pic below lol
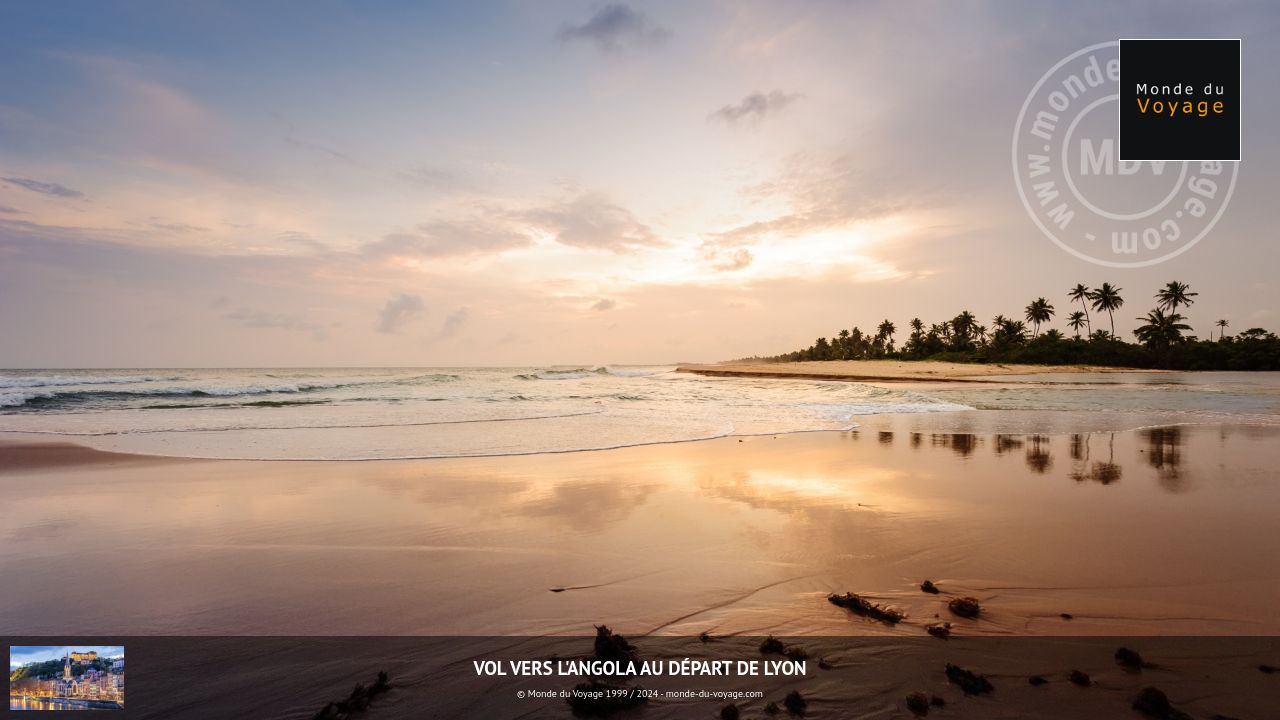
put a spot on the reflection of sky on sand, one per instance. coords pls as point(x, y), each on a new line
point(1165, 529)
point(780, 490)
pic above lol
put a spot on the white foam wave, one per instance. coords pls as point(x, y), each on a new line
point(18, 399)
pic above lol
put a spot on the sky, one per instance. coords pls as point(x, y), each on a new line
point(214, 184)
point(20, 655)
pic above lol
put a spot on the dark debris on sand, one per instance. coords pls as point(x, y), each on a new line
point(612, 646)
point(1268, 669)
point(772, 646)
point(357, 702)
point(729, 712)
point(1155, 704)
point(795, 703)
point(965, 607)
point(600, 699)
point(859, 605)
point(929, 587)
point(1130, 659)
point(1037, 680)
point(971, 683)
point(939, 630)
point(919, 703)
point(1079, 678)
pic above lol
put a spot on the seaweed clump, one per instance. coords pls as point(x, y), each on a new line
point(795, 703)
point(729, 712)
point(772, 646)
point(357, 702)
point(861, 606)
point(919, 703)
point(1130, 659)
point(970, 682)
point(929, 587)
point(939, 630)
point(600, 699)
point(612, 646)
point(1080, 678)
point(965, 607)
point(1152, 702)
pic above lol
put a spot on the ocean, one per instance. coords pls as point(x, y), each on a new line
point(375, 413)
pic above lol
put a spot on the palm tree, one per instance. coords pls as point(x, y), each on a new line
point(1107, 298)
point(1008, 332)
point(885, 332)
point(1077, 320)
point(963, 326)
point(1222, 329)
point(1080, 294)
point(1174, 294)
point(1039, 311)
point(1160, 330)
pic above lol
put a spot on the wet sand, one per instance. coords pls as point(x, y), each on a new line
point(889, 370)
point(1154, 531)
point(1137, 528)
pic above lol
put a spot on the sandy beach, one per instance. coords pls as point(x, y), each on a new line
point(890, 370)
point(1132, 529)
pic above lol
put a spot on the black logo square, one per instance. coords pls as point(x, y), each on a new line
point(1179, 99)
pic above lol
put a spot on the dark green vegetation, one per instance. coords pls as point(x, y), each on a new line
point(53, 668)
point(1163, 339)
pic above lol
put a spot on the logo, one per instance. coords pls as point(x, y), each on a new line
point(1070, 178)
point(1180, 99)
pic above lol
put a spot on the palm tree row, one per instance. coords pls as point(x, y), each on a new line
point(1162, 328)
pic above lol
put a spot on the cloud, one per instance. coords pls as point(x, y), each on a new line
point(176, 227)
point(302, 241)
point(256, 318)
point(446, 238)
point(727, 260)
point(614, 27)
point(45, 188)
point(827, 194)
point(755, 107)
point(323, 149)
point(10, 210)
point(604, 304)
point(455, 322)
point(593, 222)
point(401, 308)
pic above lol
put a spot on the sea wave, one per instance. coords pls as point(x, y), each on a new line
point(586, 372)
point(65, 380)
point(48, 397)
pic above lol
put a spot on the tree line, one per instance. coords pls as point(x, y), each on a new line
point(1164, 338)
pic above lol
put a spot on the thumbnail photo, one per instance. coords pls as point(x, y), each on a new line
point(66, 677)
